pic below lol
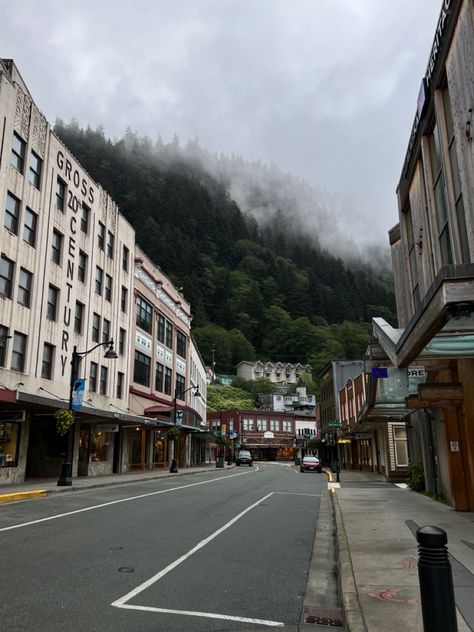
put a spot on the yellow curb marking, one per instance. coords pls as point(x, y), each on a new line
point(37, 493)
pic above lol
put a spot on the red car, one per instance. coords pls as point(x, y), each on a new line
point(311, 464)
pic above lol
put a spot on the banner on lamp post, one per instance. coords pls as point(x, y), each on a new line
point(77, 393)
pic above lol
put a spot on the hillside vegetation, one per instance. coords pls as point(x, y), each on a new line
point(257, 289)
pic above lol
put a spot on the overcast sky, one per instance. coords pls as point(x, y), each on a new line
point(324, 89)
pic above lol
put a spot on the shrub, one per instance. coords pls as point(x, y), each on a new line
point(416, 482)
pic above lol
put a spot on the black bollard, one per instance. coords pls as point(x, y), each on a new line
point(436, 581)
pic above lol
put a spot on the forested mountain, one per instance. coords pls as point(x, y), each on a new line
point(258, 288)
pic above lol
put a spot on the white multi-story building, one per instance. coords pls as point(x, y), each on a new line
point(277, 372)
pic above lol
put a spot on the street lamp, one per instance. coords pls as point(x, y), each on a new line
point(174, 463)
point(65, 479)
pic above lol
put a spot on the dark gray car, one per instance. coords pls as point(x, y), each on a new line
point(244, 458)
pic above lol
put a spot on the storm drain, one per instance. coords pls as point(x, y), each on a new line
point(323, 616)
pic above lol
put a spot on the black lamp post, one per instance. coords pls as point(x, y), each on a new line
point(174, 461)
point(65, 479)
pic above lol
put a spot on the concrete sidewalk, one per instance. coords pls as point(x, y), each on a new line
point(378, 553)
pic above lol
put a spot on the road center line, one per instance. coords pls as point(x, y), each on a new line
point(133, 593)
point(116, 502)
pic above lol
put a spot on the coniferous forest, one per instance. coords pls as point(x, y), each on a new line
point(258, 288)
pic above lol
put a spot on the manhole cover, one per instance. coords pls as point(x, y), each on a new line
point(323, 616)
point(126, 569)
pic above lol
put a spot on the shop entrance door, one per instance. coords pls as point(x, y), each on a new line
point(84, 451)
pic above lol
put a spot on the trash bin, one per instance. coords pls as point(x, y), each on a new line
point(297, 461)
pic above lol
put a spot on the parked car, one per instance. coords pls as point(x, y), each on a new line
point(244, 458)
point(311, 464)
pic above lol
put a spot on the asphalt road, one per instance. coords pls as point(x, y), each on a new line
point(203, 553)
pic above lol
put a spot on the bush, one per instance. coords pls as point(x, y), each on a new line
point(416, 482)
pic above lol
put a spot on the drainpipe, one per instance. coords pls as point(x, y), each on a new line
point(429, 420)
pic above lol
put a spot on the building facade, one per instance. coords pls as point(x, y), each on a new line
point(65, 285)
point(88, 324)
point(166, 370)
point(432, 254)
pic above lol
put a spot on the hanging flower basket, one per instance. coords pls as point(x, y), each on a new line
point(173, 433)
point(64, 419)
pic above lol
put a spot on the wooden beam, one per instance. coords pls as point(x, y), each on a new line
point(413, 403)
point(441, 390)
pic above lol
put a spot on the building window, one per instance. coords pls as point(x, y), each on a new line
point(3, 344)
point(108, 288)
point(161, 328)
point(85, 216)
point(400, 445)
point(248, 424)
point(275, 425)
point(144, 314)
point(95, 327)
point(181, 344)
point(103, 380)
point(60, 194)
point(9, 443)
point(122, 341)
point(120, 385)
point(180, 386)
point(105, 330)
point(101, 236)
point(125, 258)
point(167, 387)
point(24, 287)
point(82, 267)
point(29, 229)
point(18, 352)
point(457, 192)
point(7, 268)
point(17, 158)
point(412, 258)
point(159, 375)
point(110, 244)
point(78, 317)
point(56, 247)
point(48, 360)
point(169, 335)
point(100, 444)
point(93, 377)
point(141, 371)
point(12, 213)
point(261, 425)
point(124, 299)
point(36, 165)
point(52, 304)
point(99, 279)
point(440, 196)
point(286, 426)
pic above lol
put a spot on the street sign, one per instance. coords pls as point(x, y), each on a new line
point(335, 424)
point(379, 372)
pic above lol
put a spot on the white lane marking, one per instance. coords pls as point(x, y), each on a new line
point(296, 494)
point(206, 615)
point(402, 485)
point(333, 485)
point(180, 560)
point(116, 502)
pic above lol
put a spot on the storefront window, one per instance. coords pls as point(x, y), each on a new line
point(9, 444)
point(99, 446)
point(158, 447)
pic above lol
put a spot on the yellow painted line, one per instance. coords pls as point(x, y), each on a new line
point(37, 493)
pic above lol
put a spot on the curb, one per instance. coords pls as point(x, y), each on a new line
point(354, 619)
point(37, 493)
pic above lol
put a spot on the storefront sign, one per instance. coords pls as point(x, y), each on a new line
point(77, 393)
point(107, 428)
